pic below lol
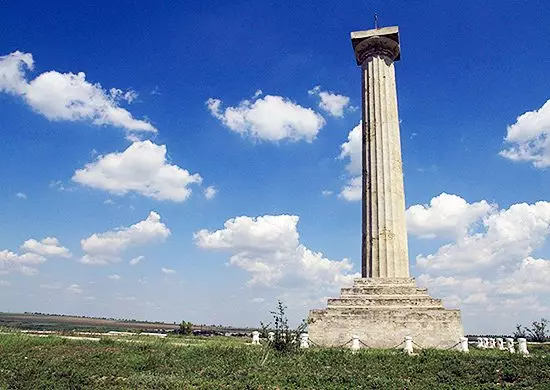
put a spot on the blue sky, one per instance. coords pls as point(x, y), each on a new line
point(221, 97)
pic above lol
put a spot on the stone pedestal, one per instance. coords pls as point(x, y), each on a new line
point(382, 311)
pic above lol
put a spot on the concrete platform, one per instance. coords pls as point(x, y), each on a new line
point(382, 311)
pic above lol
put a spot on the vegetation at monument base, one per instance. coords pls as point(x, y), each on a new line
point(539, 331)
point(284, 339)
point(54, 363)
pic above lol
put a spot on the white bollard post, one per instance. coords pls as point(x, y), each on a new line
point(522, 346)
point(510, 345)
point(491, 343)
point(255, 338)
point(355, 345)
point(464, 344)
point(271, 336)
point(304, 340)
point(408, 349)
point(480, 344)
point(500, 344)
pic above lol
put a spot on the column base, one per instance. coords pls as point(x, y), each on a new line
point(382, 311)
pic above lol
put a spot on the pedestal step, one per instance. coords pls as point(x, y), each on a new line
point(374, 282)
point(385, 300)
point(384, 290)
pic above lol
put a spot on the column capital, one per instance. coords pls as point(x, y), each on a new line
point(380, 41)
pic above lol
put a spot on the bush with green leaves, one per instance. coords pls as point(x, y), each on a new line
point(538, 331)
point(186, 328)
point(285, 339)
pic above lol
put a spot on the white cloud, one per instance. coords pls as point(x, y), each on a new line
point(59, 186)
point(257, 300)
point(67, 96)
point(269, 248)
point(351, 149)
point(210, 192)
point(488, 269)
point(168, 271)
point(327, 192)
point(530, 276)
point(269, 118)
point(105, 248)
point(136, 260)
point(48, 247)
point(530, 138)
point(143, 168)
point(510, 235)
point(331, 102)
point(7, 257)
point(445, 216)
point(53, 286)
point(74, 289)
point(126, 298)
point(35, 253)
point(12, 72)
point(353, 190)
point(114, 277)
point(4, 283)
point(21, 195)
point(118, 94)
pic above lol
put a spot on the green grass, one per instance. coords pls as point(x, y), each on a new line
point(54, 363)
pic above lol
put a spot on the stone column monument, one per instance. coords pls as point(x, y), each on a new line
point(385, 305)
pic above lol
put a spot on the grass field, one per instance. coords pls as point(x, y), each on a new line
point(32, 321)
point(195, 363)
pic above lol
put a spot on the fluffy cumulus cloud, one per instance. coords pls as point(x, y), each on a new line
point(269, 118)
point(210, 192)
point(506, 236)
point(68, 96)
point(34, 253)
point(530, 276)
point(142, 168)
point(23, 263)
point(488, 266)
point(330, 102)
point(49, 246)
point(107, 247)
point(269, 249)
point(353, 190)
point(529, 138)
point(351, 151)
point(446, 215)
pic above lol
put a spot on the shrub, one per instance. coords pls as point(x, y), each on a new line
point(285, 339)
point(537, 332)
point(186, 328)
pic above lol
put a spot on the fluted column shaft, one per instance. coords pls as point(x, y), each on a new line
point(384, 251)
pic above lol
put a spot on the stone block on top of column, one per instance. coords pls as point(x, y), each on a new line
point(386, 38)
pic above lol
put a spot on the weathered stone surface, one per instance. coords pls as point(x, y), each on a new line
point(383, 321)
point(384, 241)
